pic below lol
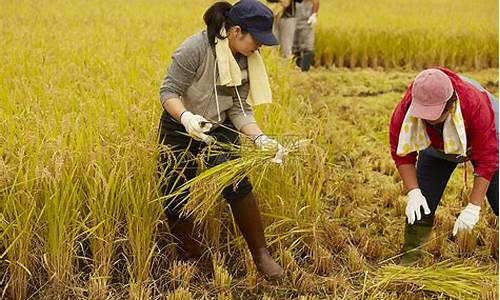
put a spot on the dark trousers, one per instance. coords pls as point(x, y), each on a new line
point(179, 165)
point(433, 174)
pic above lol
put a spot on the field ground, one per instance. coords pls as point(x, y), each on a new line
point(361, 206)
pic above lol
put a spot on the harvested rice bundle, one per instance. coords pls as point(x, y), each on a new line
point(206, 188)
point(446, 278)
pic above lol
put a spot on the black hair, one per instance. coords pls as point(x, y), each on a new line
point(451, 101)
point(215, 17)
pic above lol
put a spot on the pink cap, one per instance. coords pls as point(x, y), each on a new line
point(431, 90)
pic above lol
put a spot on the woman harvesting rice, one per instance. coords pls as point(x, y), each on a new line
point(447, 119)
point(214, 78)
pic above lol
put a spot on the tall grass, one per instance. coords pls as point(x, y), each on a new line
point(410, 34)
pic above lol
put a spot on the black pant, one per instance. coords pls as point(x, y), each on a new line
point(433, 174)
point(178, 165)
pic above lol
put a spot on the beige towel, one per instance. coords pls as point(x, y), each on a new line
point(230, 73)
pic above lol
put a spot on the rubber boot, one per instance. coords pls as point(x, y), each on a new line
point(307, 58)
point(415, 236)
point(247, 216)
point(188, 246)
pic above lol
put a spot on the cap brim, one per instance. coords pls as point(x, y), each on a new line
point(265, 38)
point(426, 112)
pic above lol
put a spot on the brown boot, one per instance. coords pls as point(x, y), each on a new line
point(247, 216)
point(188, 246)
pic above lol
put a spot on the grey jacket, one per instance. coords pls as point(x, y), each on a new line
point(191, 77)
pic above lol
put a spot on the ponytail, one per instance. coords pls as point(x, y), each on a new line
point(215, 17)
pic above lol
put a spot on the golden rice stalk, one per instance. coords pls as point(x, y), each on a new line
point(372, 248)
point(400, 205)
point(206, 188)
point(308, 297)
point(335, 237)
point(443, 225)
point(467, 242)
point(224, 296)
point(251, 276)
point(360, 236)
point(222, 277)
point(181, 274)
point(139, 291)
point(98, 287)
point(336, 285)
point(493, 242)
point(287, 260)
point(322, 261)
point(355, 261)
point(179, 294)
point(491, 294)
point(453, 280)
point(301, 281)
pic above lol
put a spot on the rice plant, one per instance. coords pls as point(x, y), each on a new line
point(413, 34)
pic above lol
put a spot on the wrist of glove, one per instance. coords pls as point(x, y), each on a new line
point(416, 201)
point(196, 126)
point(467, 218)
point(312, 19)
point(265, 143)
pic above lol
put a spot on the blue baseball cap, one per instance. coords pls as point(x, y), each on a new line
point(256, 18)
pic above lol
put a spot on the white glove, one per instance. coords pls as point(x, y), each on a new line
point(196, 126)
point(415, 201)
point(263, 142)
point(467, 218)
point(312, 19)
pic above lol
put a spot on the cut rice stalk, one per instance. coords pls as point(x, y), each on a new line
point(207, 187)
point(454, 280)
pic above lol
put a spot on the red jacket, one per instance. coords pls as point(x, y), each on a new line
point(479, 120)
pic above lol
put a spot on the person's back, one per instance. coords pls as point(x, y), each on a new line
point(304, 10)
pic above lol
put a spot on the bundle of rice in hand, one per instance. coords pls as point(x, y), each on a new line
point(206, 188)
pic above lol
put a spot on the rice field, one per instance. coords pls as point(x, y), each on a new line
point(411, 34)
point(80, 215)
